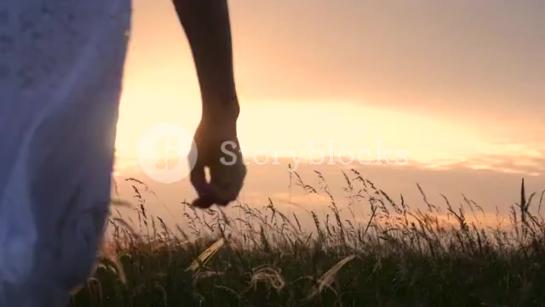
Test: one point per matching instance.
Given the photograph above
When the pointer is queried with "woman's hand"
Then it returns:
(218, 150)
(206, 24)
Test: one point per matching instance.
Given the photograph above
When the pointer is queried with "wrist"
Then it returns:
(220, 124)
(222, 113)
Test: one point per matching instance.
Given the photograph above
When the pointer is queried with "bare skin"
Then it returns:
(206, 24)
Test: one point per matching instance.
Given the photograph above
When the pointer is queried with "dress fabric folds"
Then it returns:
(61, 65)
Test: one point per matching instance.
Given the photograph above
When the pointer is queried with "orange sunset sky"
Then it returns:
(444, 82)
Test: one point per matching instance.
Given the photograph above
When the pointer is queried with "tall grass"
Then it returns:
(395, 255)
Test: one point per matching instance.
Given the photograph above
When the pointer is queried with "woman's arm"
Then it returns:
(206, 24)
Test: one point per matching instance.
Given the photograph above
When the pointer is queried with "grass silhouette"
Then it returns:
(396, 256)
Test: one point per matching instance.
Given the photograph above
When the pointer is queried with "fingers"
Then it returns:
(227, 182)
(205, 192)
(198, 178)
(204, 201)
(224, 187)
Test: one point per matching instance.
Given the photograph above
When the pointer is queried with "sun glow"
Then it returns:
(160, 87)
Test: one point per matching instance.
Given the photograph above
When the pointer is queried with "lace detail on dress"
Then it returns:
(32, 31)
(60, 76)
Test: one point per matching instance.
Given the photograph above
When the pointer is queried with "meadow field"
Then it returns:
(398, 254)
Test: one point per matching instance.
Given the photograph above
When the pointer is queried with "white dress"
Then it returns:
(61, 65)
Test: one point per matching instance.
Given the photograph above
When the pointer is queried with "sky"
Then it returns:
(443, 85)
